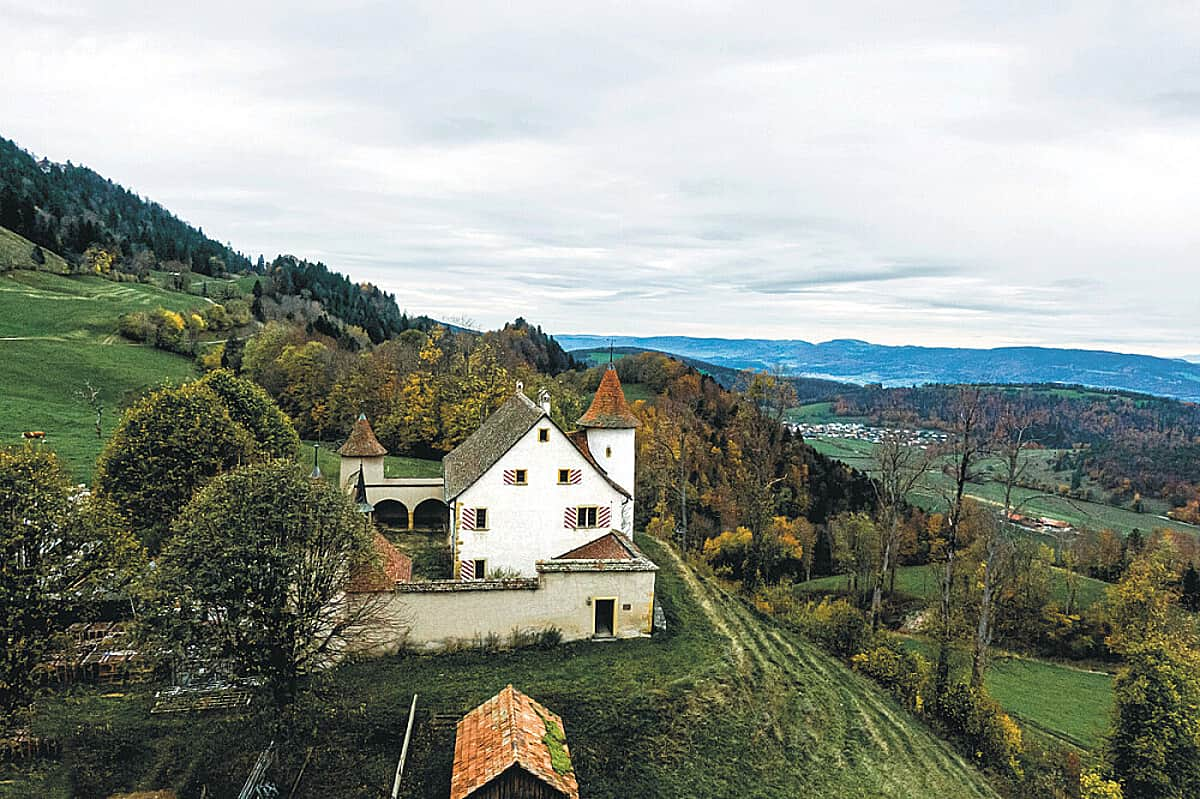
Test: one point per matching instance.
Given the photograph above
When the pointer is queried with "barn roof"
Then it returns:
(362, 442)
(510, 729)
(609, 408)
(391, 566)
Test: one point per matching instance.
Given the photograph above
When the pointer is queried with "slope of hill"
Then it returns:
(66, 207)
(18, 252)
(57, 334)
(862, 362)
(725, 704)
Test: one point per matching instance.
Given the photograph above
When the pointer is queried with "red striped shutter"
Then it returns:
(510, 477)
(576, 477)
(604, 516)
(466, 570)
(569, 519)
(468, 519)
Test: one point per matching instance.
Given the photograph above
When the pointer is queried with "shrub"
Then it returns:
(839, 627)
(983, 728)
(904, 674)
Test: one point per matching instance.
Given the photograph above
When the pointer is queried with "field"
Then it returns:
(16, 252)
(58, 333)
(1080, 513)
(725, 704)
(923, 581)
(1056, 702)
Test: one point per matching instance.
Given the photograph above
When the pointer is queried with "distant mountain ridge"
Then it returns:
(861, 362)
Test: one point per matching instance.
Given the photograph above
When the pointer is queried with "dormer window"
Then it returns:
(543, 435)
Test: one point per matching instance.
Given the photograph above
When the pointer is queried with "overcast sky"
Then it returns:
(904, 173)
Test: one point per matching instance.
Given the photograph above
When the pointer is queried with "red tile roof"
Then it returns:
(607, 547)
(391, 566)
(362, 442)
(609, 408)
(505, 731)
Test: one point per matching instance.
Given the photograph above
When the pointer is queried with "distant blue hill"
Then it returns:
(861, 362)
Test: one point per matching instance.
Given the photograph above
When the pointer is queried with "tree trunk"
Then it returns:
(983, 630)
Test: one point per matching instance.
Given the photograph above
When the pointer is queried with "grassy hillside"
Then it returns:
(16, 252)
(726, 704)
(1062, 703)
(922, 582)
(56, 334)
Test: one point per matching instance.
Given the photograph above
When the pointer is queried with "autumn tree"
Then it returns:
(172, 441)
(899, 468)
(967, 445)
(56, 554)
(854, 546)
(255, 572)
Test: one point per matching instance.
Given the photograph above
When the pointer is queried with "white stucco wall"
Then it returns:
(621, 464)
(526, 522)
(372, 470)
(431, 620)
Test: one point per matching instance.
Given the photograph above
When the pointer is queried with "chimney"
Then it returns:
(543, 399)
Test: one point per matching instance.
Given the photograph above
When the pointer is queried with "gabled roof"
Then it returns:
(362, 442)
(392, 566)
(609, 408)
(609, 546)
(508, 730)
(496, 436)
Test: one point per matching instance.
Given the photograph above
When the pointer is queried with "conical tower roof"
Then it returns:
(609, 408)
(362, 442)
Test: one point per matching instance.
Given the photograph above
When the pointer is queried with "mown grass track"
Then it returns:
(822, 712)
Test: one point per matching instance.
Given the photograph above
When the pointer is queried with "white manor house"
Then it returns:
(539, 521)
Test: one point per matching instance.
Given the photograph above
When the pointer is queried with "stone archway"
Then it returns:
(391, 513)
(432, 514)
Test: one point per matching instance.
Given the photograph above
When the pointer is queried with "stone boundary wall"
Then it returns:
(443, 614)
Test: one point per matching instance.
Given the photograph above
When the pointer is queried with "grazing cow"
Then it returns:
(32, 434)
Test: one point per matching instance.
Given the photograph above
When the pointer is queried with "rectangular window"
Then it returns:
(481, 570)
(522, 477)
(585, 516)
(481, 519)
(544, 434)
(564, 477)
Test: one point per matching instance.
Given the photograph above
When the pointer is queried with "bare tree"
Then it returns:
(967, 446)
(91, 395)
(899, 467)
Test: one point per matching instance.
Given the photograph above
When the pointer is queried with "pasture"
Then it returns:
(57, 334)
(922, 582)
(1056, 702)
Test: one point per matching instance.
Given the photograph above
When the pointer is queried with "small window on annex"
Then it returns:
(585, 516)
(543, 434)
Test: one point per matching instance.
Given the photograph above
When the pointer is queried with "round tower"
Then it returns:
(361, 451)
(610, 426)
